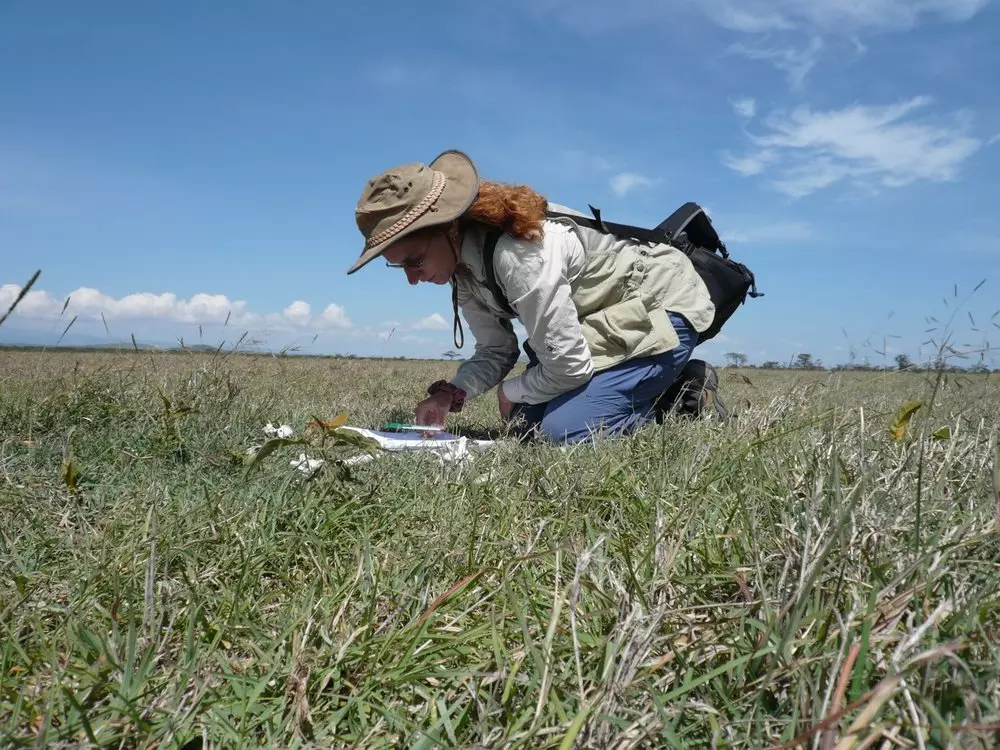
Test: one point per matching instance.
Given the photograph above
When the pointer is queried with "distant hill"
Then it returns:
(34, 338)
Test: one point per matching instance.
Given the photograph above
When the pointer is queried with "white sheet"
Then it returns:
(444, 446)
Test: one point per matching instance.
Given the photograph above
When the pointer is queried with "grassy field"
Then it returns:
(798, 575)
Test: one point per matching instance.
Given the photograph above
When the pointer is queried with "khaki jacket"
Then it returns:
(588, 301)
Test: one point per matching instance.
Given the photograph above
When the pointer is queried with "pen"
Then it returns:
(413, 427)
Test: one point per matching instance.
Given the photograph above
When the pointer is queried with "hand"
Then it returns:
(434, 409)
(505, 403)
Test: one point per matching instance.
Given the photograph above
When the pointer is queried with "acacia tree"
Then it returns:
(805, 361)
(736, 359)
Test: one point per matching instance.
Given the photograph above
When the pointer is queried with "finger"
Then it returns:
(430, 415)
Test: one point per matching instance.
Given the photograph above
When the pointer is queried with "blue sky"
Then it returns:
(169, 164)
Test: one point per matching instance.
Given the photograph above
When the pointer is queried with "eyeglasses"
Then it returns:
(409, 263)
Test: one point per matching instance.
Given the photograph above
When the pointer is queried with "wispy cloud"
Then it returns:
(625, 182)
(788, 23)
(796, 64)
(876, 146)
(745, 107)
(836, 16)
(757, 16)
(746, 17)
(88, 303)
(750, 164)
(622, 181)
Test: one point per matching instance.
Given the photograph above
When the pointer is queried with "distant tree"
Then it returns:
(736, 359)
(804, 361)
(903, 362)
(771, 365)
(451, 354)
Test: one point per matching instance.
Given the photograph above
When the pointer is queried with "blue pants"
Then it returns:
(615, 401)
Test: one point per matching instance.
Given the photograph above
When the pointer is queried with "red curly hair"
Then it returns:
(517, 209)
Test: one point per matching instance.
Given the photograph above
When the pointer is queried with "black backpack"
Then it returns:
(690, 230)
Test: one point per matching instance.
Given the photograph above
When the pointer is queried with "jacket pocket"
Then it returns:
(618, 329)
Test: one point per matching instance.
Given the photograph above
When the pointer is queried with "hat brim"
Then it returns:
(459, 193)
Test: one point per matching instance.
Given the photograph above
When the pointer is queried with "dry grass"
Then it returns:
(793, 576)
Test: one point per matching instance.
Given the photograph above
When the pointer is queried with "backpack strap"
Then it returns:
(621, 230)
(692, 220)
(689, 219)
(489, 252)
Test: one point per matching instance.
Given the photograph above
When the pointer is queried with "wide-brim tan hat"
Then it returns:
(410, 197)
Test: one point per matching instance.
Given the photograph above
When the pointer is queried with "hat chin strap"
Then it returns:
(456, 331)
(457, 334)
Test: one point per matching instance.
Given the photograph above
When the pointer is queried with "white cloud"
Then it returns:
(433, 322)
(994, 139)
(297, 312)
(757, 16)
(577, 163)
(334, 316)
(35, 304)
(89, 303)
(745, 107)
(790, 22)
(870, 145)
(92, 303)
(749, 164)
(625, 182)
(804, 179)
(795, 63)
(836, 16)
(745, 17)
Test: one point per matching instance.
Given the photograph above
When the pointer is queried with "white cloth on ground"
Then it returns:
(444, 446)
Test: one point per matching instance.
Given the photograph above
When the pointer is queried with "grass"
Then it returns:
(796, 576)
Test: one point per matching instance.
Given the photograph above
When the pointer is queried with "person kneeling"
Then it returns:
(611, 322)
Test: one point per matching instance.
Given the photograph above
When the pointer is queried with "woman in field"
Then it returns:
(611, 322)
